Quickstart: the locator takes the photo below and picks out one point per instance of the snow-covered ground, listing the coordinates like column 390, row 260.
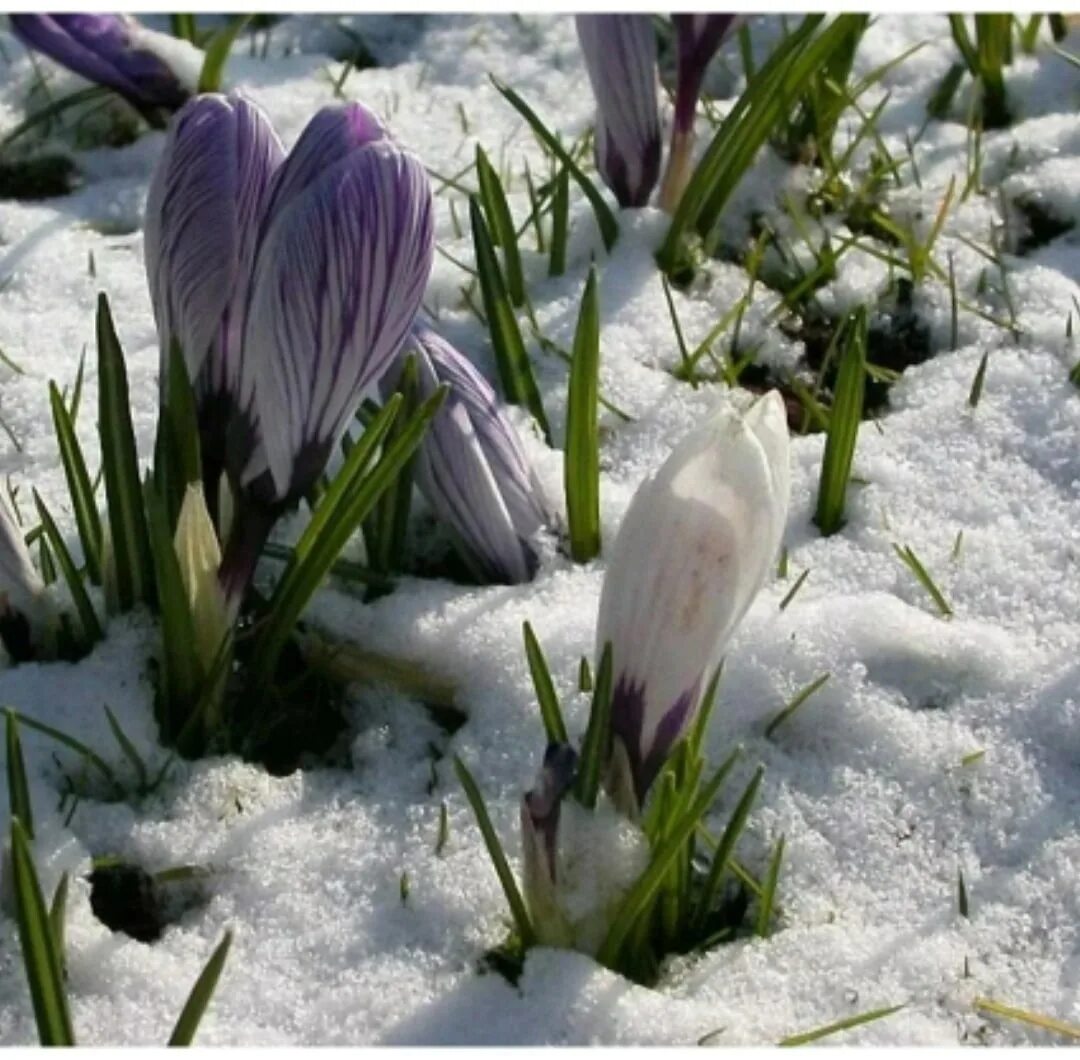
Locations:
column 875, row 783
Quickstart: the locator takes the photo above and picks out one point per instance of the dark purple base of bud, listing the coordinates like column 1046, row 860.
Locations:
column 250, row 530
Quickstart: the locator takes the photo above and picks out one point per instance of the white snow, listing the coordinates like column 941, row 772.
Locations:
column 869, row 782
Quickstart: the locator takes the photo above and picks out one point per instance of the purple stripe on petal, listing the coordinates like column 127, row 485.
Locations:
column 542, row 805
column 698, row 37
column 620, row 56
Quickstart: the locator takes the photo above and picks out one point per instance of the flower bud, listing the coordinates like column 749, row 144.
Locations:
column 199, row 556
column 27, row 617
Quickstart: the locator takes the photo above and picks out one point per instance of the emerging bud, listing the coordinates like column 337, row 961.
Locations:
column 620, row 56
column 472, row 468
column 698, row 37
column 339, row 275
column 206, row 203
column 199, row 555
column 27, row 618
column 694, row 548
column 110, row 50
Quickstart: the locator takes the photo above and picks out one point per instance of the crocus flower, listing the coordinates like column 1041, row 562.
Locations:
column 110, row 50
column 207, row 200
column 27, row 619
column 620, row 56
column 698, row 36
column 694, row 548
column 198, row 554
column 471, row 466
column 343, row 257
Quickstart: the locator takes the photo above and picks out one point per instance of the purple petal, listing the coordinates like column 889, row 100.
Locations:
column 338, row 280
column 99, row 48
column 620, row 56
column 698, row 37
column 472, row 467
column 541, row 807
column 205, row 204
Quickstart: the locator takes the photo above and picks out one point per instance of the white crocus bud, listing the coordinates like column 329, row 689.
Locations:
column 694, row 548
column 27, row 617
column 199, row 554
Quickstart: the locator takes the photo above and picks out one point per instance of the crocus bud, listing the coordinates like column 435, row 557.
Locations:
column 207, row 200
column 698, row 36
column 471, row 466
column 339, row 275
column 27, row 618
column 199, row 556
column 620, row 56
column 694, row 548
column 110, row 50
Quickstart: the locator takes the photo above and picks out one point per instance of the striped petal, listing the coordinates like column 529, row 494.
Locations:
column 620, row 56
column 472, row 468
column 27, row 620
column 338, row 279
column 694, row 548
column 698, row 37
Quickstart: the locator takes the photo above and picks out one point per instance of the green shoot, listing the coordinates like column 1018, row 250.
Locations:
column 594, row 747
column 201, row 993
column 796, row 701
column 768, row 890
column 501, row 226
column 977, row 382
column 1032, row 1019
column 794, row 589
column 546, row 697
column 912, row 562
column 961, row 895
column 845, row 1024
column 217, row 52
column 18, row 787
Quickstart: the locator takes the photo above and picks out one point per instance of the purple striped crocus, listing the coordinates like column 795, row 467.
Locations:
column 620, row 56
column 110, row 50
column 472, row 468
column 207, row 200
column 694, row 548
column 343, row 256
column 698, row 36
column 27, row 618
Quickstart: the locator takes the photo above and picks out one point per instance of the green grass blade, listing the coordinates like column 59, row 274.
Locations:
column 701, row 723
column 639, row 897
column 768, row 890
column 843, row 429
column 44, row 971
column 797, row 701
column 605, row 219
column 18, row 787
column 128, row 749
column 546, row 697
column 217, row 53
column 977, row 383
column 91, row 627
column 1032, row 1019
column 201, row 993
column 725, row 848
column 123, row 487
column 840, row 1025
column 560, row 223
column 495, row 851
column 511, row 357
column 91, row 757
column 51, row 110
column 581, row 468
column 922, row 576
column 78, row 482
column 501, row 224
column 595, row 746
column 58, row 915
column 177, row 456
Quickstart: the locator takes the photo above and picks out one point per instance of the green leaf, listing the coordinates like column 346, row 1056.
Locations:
column 217, row 53
column 123, row 489
column 79, row 487
column 91, row 757
column 495, row 851
column 797, row 701
column 58, row 915
column 128, row 749
column 843, row 428
column 609, row 227
column 548, row 700
column 1032, row 1019
column 560, row 223
column 511, row 358
column 768, row 890
column 201, row 993
column 177, row 457
column 922, row 576
column 347, row 502
column 581, row 468
column 44, row 971
column 51, row 110
column 840, row 1025
column 18, row 787
column 640, row 896
column 978, row 381
column 493, row 199
column 596, row 745
column 91, row 627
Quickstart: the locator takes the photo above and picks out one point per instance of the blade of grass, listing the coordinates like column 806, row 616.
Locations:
column 91, row 757
column 1033, row 1019
column 201, row 993
column 560, row 223
column 581, row 467
column 912, row 562
column 217, row 53
column 840, row 1025
column 768, row 890
column 495, row 852
column 501, row 225
column 18, row 787
column 550, row 712
column 78, row 481
column 594, row 747
column 797, row 701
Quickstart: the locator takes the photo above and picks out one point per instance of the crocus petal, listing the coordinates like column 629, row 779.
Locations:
column 100, row 48
column 27, row 620
column 198, row 553
column 620, row 56
column 206, row 202
column 338, row 280
column 694, row 548
column 471, row 465
column 698, row 36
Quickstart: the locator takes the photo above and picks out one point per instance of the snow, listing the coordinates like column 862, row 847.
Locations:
column 870, row 782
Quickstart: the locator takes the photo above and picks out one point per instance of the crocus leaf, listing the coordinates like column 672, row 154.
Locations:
column 201, row 993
